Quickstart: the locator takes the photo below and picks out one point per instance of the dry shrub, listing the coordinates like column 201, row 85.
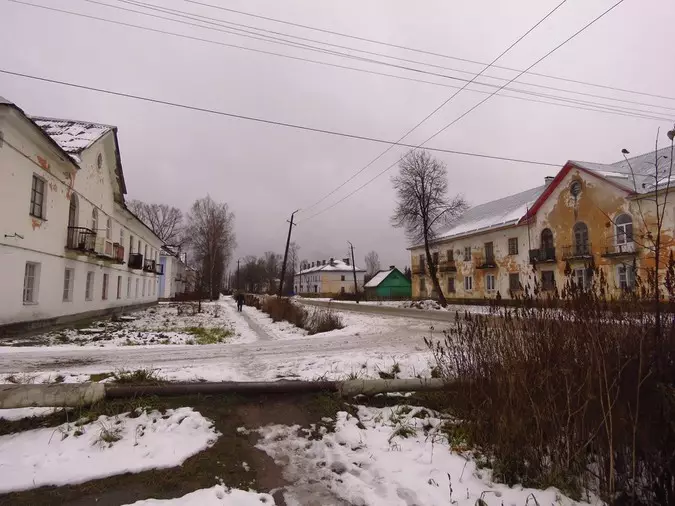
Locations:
column 322, row 320
column 283, row 309
column 571, row 390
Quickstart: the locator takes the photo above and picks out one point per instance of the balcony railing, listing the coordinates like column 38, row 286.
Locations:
column 135, row 261
column 540, row 255
column 611, row 249
column 486, row 262
column 81, row 239
column 159, row 269
column 417, row 269
column 581, row 250
column 448, row 266
column 118, row 253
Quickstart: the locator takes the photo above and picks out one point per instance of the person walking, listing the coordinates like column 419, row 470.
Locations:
column 240, row 301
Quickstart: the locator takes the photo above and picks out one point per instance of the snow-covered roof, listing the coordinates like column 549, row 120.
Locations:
column 334, row 266
column 3, row 100
column 73, row 136
column 497, row 213
column 378, row 278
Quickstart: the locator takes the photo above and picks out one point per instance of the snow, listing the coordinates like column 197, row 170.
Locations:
column 71, row 454
column 14, row 414
column 425, row 305
column 218, row 495
column 378, row 278
column 376, row 466
column 71, row 136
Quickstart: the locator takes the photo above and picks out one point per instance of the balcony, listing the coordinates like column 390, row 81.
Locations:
column 135, row 261
column 81, row 239
column 103, row 247
column 448, row 266
column 118, row 253
column 611, row 249
column 159, row 269
column 577, row 251
column 420, row 270
column 486, row 262
column 542, row 255
column 149, row 266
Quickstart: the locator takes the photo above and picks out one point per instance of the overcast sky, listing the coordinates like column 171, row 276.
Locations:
column 264, row 172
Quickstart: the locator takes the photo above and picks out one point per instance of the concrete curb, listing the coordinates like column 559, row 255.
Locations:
column 80, row 394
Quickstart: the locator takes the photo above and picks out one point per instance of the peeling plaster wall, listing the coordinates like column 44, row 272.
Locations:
column 44, row 240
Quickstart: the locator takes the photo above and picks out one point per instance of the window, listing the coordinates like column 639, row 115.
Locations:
column 89, row 287
column 575, row 188
column 582, row 278
column 626, row 276
column 136, row 288
column 434, row 258
column 342, row 289
column 581, row 246
column 68, row 276
column 467, row 254
column 30, row 282
column 143, row 291
column 131, row 244
column 451, row 255
column 547, row 280
column 37, row 197
column 451, row 285
column 121, row 237
column 145, row 255
column 490, row 282
column 129, row 287
column 108, row 229
column 94, row 220
column 119, row 287
column 342, row 278
column 489, row 252
column 624, row 229
column 139, row 247
column 514, row 281
column 513, row 246
column 546, row 239
column 104, row 290
column 99, row 161
column 422, row 266
column 423, row 285
column 468, row 283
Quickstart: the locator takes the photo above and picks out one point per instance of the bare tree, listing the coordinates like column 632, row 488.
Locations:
column 210, row 235
column 292, row 267
column 165, row 221
column 372, row 264
column 423, row 205
column 272, row 269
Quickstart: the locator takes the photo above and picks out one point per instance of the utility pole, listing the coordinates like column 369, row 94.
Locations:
column 238, row 274
column 356, row 287
column 288, row 242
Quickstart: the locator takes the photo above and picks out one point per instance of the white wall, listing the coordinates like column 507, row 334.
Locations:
column 43, row 241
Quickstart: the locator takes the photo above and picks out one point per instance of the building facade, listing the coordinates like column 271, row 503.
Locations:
column 174, row 281
column 70, row 247
column 588, row 216
column 328, row 277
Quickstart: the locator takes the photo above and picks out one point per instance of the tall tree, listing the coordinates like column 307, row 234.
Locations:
column 372, row 264
column 292, row 267
column 272, row 269
column 423, row 205
column 210, row 235
column 164, row 220
column 407, row 272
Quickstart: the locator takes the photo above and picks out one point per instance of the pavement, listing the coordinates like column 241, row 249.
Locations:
column 418, row 314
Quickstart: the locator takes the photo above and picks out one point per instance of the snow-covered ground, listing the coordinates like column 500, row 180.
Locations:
column 82, row 451
column 259, row 350
column 424, row 305
column 214, row 496
column 387, row 457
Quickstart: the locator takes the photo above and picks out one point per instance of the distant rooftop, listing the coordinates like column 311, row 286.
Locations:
column 73, row 136
column 330, row 265
column 378, row 278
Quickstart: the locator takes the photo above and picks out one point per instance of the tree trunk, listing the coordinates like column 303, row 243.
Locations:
column 433, row 272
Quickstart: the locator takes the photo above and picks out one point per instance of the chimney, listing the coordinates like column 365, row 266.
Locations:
column 548, row 180
column 392, row 267
column 324, row 262
column 346, row 260
column 312, row 264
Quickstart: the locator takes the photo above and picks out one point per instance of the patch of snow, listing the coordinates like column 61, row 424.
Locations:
column 70, row 454
column 367, row 461
column 218, row 495
column 20, row 413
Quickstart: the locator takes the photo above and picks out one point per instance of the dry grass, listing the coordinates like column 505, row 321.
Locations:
column 284, row 309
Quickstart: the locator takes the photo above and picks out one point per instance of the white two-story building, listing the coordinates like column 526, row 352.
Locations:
column 69, row 247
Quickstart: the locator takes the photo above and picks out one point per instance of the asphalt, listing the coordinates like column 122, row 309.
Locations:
column 419, row 314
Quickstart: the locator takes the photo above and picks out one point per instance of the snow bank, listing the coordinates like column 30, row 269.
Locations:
column 378, row 465
column 214, row 496
column 70, row 454
column 20, row 413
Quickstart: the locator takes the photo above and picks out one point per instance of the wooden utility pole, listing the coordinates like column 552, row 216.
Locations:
column 238, row 274
column 288, row 242
column 356, row 287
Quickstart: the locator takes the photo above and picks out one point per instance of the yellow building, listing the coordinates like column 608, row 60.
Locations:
column 328, row 277
column 588, row 215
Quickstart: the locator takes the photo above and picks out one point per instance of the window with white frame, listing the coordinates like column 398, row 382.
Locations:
column 89, row 287
column 129, row 287
column 626, row 276
column 119, row 287
column 137, row 287
column 513, row 246
column 108, row 229
column 467, row 253
column 68, row 277
column 490, row 282
column 624, row 229
column 468, row 283
column 37, row 197
column 30, row 282
column 104, row 289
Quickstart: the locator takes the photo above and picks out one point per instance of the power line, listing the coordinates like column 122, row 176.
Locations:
column 600, row 107
column 422, row 51
column 266, row 121
column 471, row 109
column 432, row 113
column 221, row 22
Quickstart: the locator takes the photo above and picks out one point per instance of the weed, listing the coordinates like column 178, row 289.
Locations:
column 139, row 376
column 109, row 434
column 209, row 335
column 95, row 378
column 403, row 431
column 62, row 338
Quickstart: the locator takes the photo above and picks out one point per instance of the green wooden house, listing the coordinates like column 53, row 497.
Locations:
column 389, row 284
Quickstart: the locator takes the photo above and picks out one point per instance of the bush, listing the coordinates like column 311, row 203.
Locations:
column 284, row 309
column 570, row 390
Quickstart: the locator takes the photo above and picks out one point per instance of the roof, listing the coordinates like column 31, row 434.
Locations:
column 334, row 266
column 3, row 100
column 378, row 278
column 497, row 213
column 73, row 136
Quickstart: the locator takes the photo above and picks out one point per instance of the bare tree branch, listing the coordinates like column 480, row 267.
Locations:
column 165, row 221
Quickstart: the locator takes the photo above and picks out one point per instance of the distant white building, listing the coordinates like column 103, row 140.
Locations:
column 175, row 269
column 330, row 277
column 70, row 247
